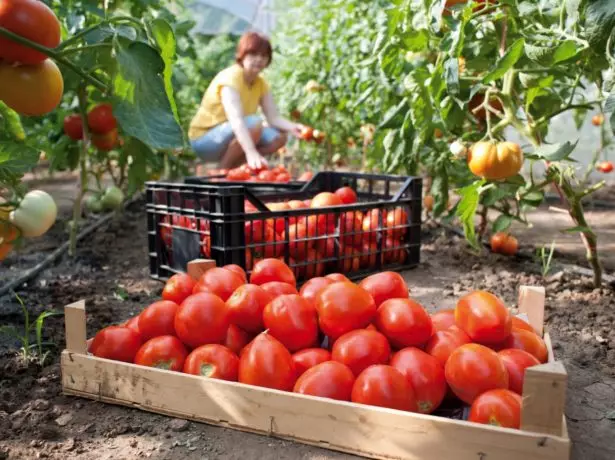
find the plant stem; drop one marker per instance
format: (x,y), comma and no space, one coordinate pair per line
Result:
(56,56)
(78,49)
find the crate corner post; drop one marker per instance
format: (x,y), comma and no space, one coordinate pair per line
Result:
(197,267)
(74,320)
(532,302)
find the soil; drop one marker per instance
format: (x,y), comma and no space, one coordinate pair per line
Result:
(111,273)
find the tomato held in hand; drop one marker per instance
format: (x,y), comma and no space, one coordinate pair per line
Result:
(473,369)
(516,362)
(360,349)
(327,380)
(30,19)
(219,281)
(384,386)
(278,288)
(201,319)
(236,339)
(178,288)
(270,269)
(484,317)
(404,322)
(101,119)
(443,319)
(116,342)
(497,407)
(265,362)
(310,357)
(443,343)
(425,375)
(292,320)
(213,361)
(73,126)
(246,307)
(163,352)
(384,286)
(158,319)
(527,341)
(343,307)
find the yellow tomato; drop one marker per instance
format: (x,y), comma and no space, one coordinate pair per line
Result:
(495,161)
(31,90)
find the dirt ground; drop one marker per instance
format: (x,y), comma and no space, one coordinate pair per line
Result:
(111,273)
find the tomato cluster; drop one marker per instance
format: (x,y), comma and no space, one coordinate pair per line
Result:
(30,83)
(368,343)
(317,243)
(245,173)
(312,135)
(102,124)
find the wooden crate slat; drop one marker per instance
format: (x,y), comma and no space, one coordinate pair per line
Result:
(363,430)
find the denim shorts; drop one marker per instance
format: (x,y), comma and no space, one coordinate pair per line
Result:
(211,145)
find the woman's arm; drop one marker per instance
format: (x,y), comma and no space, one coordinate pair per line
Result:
(275,119)
(231,102)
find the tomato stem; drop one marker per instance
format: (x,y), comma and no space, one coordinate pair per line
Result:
(79,49)
(56,56)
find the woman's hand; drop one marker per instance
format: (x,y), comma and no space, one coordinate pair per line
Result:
(255,160)
(296,130)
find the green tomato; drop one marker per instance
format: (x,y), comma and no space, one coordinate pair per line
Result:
(112,198)
(94,204)
(35,214)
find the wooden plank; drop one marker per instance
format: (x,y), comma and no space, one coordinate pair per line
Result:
(532,302)
(544,399)
(364,430)
(74,322)
(197,267)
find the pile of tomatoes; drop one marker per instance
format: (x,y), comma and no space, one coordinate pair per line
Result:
(30,83)
(245,173)
(369,343)
(101,123)
(315,240)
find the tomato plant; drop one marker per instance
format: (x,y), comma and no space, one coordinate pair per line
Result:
(265,362)
(213,361)
(360,349)
(328,380)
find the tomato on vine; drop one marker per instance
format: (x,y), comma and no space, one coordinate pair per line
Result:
(73,126)
(495,161)
(101,119)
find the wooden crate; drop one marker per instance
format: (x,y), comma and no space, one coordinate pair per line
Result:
(368,431)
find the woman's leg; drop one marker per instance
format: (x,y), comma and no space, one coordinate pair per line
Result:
(234,155)
(271,140)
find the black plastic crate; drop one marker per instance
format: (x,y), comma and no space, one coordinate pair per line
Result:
(232,223)
(261,187)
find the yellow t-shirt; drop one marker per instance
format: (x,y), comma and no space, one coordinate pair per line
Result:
(211,111)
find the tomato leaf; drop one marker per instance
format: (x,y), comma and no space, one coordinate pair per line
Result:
(577,229)
(600,21)
(137,171)
(393,119)
(451,75)
(502,223)
(506,62)
(12,123)
(141,104)
(415,40)
(555,152)
(439,189)
(15,160)
(466,210)
(165,39)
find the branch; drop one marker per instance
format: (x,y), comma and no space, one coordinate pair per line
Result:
(587,106)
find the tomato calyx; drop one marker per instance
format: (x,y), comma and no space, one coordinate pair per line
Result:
(207,369)
(167,364)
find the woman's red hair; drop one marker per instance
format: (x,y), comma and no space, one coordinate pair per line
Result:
(253,43)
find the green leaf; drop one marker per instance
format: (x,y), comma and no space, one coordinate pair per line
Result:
(506,62)
(599,21)
(165,39)
(466,210)
(12,123)
(393,119)
(415,40)
(137,171)
(565,51)
(534,197)
(556,152)
(451,75)
(577,229)
(439,189)
(141,104)
(15,160)
(502,223)
(38,326)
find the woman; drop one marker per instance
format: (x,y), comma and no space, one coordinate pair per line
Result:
(226,127)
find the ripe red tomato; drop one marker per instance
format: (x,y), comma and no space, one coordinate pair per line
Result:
(404,322)
(236,339)
(397,221)
(30,19)
(310,357)
(265,362)
(306,176)
(219,281)
(178,288)
(350,228)
(278,288)
(347,195)
(384,286)
(516,362)
(313,286)
(268,270)
(360,349)
(343,307)
(425,375)
(337,277)
(497,407)
(201,319)
(292,320)
(213,361)
(484,317)
(116,342)
(473,369)
(237,174)
(605,167)
(327,380)
(527,341)
(237,269)
(443,319)
(443,343)
(384,386)
(101,119)
(163,352)
(325,199)
(105,142)
(246,307)
(158,319)
(133,323)
(73,126)
(518,323)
